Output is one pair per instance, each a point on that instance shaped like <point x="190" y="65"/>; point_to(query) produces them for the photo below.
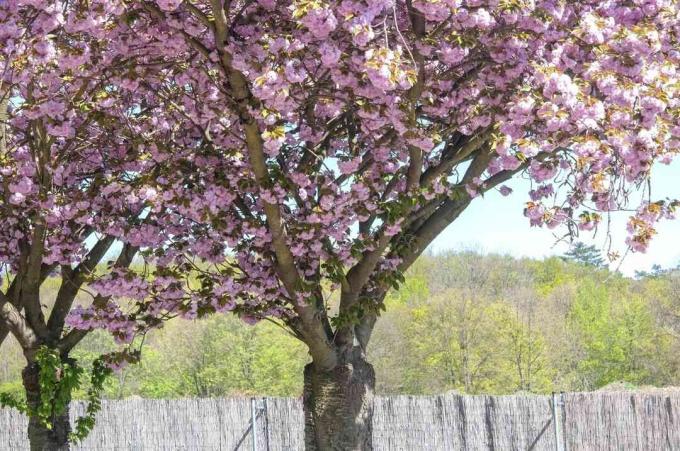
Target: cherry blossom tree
<point x="79" y="172"/>
<point x="260" y="156"/>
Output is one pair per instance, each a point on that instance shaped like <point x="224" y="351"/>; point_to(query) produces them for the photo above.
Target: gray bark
<point x="338" y="405"/>
<point x="40" y="437"/>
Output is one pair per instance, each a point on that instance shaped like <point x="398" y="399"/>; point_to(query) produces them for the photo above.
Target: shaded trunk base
<point x="41" y="438"/>
<point x="338" y="407"/>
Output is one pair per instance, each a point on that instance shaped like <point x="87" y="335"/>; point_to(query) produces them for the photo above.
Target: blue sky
<point x="496" y="224"/>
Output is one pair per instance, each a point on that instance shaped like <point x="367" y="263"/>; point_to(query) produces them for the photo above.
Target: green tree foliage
<point x="461" y="321"/>
<point x="585" y="255"/>
<point x="617" y="335"/>
<point x="216" y="357"/>
<point x="500" y="325"/>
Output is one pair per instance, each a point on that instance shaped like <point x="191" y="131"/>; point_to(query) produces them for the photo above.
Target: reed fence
<point x="645" y="421"/>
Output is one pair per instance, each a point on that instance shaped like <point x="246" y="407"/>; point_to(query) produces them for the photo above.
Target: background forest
<point x="462" y="321"/>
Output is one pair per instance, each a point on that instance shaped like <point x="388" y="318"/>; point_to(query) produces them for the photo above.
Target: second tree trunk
<point x="40" y="437"/>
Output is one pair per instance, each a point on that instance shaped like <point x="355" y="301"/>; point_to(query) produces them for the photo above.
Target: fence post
<point x="253" y="421"/>
<point x="563" y="410"/>
<point x="557" y="417"/>
<point x="265" y="408"/>
<point x="259" y="407"/>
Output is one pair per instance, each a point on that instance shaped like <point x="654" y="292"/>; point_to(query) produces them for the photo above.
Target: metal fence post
<point x="259" y="407"/>
<point x="265" y="407"/>
<point x="563" y="410"/>
<point x="557" y="417"/>
<point x="253" y="421"/>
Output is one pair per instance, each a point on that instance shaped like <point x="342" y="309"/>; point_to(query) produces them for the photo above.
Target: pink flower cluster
<point x="323" y="128"/>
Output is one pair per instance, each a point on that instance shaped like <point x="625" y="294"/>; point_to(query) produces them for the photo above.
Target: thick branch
<point x="4" y="117"/>
<point x="432" y="227"/>
<point x="364" y="329"/>
<point x="124" y="260"/>
<point x="15" y="299"/>
<point x="417" y="19"/>
<point x="312" y="320"/>
<point x="415" y="154"/>
<point x="14" y="294"/>
<point x="451" y="209"/>
<point x="358" y="275"/>
<point x="72" y="281"/>
<point x="30" y="283"/>
<point x="453" y="156"/>
<point x="17" y="324"/>
<point x="427" y="225"/>
<point x="200" y="15"/>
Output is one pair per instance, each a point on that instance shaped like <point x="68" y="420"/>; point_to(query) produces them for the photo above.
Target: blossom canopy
<point x="247" y="151"/>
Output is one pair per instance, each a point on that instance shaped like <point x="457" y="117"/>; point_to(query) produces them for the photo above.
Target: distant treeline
<point x="461" y="321"/>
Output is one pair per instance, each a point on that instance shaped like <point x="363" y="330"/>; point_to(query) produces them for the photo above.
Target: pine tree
<point x="584" y="254"/>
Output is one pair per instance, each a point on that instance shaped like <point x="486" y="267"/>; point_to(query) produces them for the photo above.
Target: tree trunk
<point x="40" y="437"/>
<point x="338" y="406"/>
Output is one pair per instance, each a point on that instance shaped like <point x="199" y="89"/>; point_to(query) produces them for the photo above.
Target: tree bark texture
<point x="338" y="405"/>
<point x="40" y="437"/>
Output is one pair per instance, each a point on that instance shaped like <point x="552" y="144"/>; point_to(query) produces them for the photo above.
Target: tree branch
<point x="30" y="283"/>
<point x="312" y="320"/>
<point x="360" y="273"/>
<point x="451" y="209"/>
<point x="4" y="117"/>
<point x="453" y="156"/>
<point x="17" y="324"/>
<point x="124" y="260"/>
<point x="71" y="282"/>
